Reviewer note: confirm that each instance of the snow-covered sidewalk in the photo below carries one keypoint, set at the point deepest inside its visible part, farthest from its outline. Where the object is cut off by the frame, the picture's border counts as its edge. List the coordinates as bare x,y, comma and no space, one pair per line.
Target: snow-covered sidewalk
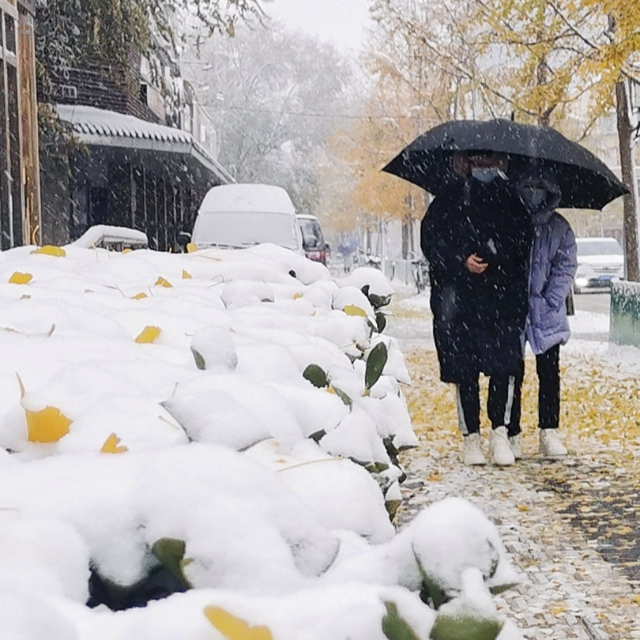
571,526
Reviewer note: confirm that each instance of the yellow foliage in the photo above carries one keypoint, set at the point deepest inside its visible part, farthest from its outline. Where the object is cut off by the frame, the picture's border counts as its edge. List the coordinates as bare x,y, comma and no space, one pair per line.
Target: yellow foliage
47,425
234,628
186,275
50,250
162,282
353,310
191,247
148,335
111,445
140,296
20,278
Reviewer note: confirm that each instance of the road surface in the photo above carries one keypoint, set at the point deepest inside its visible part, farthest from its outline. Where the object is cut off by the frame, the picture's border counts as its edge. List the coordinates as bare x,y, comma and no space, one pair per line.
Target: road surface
595,302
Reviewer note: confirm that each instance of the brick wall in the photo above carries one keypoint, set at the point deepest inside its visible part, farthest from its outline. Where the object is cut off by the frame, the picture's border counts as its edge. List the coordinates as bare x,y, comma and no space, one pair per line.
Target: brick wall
105,87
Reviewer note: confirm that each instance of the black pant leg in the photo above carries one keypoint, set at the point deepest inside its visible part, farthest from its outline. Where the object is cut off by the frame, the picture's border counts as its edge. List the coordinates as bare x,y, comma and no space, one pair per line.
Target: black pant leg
504,401
548,369
468,403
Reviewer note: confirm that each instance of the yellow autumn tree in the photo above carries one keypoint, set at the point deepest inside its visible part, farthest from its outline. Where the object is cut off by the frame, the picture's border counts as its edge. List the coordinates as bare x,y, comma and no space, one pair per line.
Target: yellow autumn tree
415,88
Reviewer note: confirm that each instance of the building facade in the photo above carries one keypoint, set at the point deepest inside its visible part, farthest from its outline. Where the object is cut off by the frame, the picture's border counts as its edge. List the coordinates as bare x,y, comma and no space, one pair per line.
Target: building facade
142,160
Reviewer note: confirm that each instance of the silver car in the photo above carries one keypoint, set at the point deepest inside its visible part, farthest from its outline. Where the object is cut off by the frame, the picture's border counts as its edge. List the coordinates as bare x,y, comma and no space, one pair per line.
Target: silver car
600,262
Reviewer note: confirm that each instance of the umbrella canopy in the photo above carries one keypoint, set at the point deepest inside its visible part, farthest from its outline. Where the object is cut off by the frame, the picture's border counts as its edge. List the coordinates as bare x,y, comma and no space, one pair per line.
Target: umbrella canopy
586,182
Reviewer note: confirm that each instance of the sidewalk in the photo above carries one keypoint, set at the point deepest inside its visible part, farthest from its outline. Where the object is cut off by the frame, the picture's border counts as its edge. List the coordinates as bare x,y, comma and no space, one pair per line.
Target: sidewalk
571,527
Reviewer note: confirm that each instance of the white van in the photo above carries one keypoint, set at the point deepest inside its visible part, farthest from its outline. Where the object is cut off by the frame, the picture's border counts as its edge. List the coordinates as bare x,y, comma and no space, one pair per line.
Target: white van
600,262
236,216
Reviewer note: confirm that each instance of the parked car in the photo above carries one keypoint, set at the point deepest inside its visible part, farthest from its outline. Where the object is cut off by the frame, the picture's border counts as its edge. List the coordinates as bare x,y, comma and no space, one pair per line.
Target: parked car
235,216
600,262
313,243
112,238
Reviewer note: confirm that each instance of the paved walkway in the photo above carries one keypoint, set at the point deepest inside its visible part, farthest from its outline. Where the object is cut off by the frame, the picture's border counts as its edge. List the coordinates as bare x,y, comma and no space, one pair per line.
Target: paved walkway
571,527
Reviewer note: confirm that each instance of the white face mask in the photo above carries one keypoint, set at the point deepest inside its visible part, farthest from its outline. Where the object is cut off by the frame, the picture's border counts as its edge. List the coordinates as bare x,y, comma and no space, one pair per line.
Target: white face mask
486,175
534,197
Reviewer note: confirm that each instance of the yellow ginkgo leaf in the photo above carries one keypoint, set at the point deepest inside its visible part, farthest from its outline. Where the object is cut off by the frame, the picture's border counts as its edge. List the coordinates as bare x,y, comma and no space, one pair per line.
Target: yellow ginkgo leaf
111,445
47,425
297,296
352,310
522,507
148,334
127,250
50,250
186,275
20,278
191,247
234,628
162,282
140,296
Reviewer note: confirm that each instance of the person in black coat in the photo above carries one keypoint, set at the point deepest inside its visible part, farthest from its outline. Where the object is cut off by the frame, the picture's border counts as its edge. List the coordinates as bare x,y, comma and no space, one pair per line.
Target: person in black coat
477,239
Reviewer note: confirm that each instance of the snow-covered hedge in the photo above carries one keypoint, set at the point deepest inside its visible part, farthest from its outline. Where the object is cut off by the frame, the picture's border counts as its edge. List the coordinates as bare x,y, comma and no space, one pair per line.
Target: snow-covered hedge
222,428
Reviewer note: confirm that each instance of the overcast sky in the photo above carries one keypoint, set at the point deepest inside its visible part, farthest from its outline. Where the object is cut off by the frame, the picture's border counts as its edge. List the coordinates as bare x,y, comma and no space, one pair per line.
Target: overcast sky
341,22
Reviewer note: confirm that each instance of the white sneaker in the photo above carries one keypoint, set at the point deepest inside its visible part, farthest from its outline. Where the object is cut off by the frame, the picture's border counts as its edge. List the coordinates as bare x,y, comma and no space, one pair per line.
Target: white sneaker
515,442
550,445
500,448
472,450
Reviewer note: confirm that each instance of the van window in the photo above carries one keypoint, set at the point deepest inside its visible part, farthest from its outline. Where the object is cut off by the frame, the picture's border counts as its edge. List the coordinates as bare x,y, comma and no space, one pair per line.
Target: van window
312,237
599,248
243,229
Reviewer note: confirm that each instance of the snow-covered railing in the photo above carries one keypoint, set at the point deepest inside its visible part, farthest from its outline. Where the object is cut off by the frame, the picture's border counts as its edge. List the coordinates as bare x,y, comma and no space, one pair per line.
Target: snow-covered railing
625,313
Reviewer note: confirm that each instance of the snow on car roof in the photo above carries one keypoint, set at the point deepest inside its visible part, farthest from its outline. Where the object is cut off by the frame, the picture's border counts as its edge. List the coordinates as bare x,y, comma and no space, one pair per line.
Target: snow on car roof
247,197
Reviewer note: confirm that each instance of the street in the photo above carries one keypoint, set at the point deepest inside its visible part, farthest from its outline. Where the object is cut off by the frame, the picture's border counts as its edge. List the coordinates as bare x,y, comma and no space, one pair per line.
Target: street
594,302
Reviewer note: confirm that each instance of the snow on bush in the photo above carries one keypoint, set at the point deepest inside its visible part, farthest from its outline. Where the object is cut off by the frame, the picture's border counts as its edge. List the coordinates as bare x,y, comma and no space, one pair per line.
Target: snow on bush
220,423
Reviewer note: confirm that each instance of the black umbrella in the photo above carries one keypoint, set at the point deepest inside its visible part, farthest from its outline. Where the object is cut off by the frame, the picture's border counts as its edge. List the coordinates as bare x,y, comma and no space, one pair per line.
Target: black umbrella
586,182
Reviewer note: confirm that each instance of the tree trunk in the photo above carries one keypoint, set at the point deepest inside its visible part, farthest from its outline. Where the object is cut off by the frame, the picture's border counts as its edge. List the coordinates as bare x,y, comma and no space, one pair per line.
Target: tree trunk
630,222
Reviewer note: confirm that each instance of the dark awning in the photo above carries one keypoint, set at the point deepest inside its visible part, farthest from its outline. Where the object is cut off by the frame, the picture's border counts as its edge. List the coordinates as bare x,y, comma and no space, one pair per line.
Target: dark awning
99,127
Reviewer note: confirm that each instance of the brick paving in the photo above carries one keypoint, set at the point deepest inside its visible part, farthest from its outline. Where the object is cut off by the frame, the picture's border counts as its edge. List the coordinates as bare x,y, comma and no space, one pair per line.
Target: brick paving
572,528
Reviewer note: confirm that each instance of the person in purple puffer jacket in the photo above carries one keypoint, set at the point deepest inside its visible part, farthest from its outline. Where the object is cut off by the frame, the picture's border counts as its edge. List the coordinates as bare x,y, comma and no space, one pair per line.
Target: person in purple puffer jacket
552,269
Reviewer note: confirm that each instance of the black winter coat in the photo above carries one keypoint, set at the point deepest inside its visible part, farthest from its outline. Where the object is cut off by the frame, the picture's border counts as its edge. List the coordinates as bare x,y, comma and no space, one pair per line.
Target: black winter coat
478,319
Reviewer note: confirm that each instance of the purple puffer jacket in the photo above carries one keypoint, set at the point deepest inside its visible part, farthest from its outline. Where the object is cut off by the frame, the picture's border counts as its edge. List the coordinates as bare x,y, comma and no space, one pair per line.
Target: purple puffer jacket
553,266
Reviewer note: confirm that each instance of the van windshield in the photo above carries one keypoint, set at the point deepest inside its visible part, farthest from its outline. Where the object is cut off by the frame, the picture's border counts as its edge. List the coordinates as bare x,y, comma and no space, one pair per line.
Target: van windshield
243,229
599,248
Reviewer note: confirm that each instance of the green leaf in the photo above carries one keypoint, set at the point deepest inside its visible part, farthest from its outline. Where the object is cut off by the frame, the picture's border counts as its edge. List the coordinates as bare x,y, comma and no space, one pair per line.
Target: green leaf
378,301
394,627
467,627
316,436
197,356
375,364
343,396
392,507
381,321
170,552
316,376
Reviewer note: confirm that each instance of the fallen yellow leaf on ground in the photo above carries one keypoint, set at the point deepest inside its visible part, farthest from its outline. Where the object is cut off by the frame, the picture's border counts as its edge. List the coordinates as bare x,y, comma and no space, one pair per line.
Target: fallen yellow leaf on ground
111,445
50,250
163,282
47,425
234,628
186,275
148,334
20,278
352,310
140,296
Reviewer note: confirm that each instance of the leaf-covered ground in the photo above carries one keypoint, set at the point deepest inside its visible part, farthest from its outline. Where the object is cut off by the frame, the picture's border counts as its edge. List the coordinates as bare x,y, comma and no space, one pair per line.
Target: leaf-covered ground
595,491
